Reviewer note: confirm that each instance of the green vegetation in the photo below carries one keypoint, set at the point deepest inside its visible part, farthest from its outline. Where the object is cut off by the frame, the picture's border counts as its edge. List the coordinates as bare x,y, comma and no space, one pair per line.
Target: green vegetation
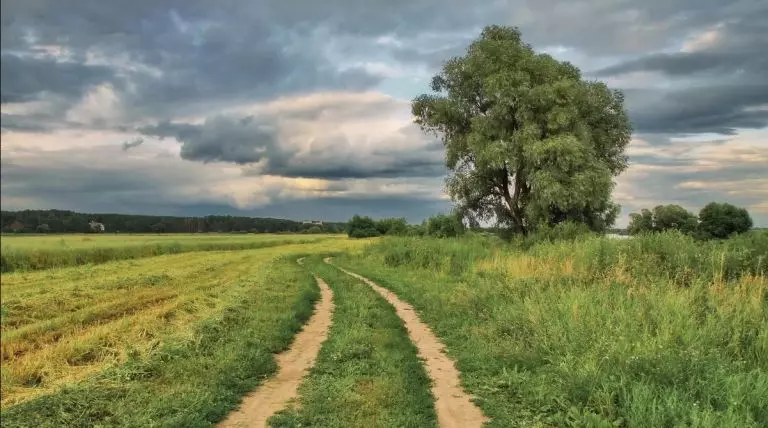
658,330
58,221
20,253
172,340
368,373
440,226
715,221
528,141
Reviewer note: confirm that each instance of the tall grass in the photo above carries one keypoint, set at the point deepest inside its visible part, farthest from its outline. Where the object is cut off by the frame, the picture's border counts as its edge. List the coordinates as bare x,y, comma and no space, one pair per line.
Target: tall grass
656,330
24,258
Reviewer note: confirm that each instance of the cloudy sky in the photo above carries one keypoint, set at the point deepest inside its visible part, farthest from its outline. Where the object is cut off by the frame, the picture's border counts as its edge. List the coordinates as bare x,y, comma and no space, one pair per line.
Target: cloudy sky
300,109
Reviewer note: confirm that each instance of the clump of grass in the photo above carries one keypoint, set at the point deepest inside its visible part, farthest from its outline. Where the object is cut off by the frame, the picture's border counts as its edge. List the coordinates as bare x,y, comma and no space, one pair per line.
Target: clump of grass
652,331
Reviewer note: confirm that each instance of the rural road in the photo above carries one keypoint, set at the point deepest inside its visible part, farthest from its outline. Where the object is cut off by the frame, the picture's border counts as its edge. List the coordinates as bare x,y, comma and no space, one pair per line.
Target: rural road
453,406
292,365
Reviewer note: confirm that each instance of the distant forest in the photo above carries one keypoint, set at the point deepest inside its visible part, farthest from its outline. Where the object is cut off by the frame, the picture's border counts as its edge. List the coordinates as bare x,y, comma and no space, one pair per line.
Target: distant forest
58,221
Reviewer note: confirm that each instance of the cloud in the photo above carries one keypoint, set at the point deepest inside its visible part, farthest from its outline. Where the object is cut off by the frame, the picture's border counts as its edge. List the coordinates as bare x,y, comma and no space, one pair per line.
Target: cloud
714,83
280,106
28,78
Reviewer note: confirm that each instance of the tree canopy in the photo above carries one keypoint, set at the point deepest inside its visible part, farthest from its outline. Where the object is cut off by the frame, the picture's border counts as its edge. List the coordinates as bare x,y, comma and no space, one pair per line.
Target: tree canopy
663,217
528,141
721,220
715,220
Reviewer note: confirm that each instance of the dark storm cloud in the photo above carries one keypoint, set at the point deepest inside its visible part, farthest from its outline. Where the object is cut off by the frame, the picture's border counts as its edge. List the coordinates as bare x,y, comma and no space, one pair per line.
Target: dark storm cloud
29,78
717,108
250,140
721,86
237,140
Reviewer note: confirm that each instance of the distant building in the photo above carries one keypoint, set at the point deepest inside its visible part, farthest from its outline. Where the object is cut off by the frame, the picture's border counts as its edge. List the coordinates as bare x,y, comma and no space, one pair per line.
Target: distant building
96,227
315,222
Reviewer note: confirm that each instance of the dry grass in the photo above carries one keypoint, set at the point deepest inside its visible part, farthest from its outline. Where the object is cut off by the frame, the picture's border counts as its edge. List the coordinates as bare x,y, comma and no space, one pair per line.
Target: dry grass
60,326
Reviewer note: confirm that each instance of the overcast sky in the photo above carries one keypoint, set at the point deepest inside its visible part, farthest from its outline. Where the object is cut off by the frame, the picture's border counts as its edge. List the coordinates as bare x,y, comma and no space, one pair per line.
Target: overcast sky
300,109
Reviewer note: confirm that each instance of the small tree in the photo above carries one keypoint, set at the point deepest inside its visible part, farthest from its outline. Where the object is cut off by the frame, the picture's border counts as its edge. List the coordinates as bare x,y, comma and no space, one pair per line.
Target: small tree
721,220
663,217
392,226
43,228
444,226
640,223
362,227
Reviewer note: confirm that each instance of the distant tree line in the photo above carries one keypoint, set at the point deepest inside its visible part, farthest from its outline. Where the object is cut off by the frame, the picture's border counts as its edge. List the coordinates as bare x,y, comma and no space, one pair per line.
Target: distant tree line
441,226
715,221
59,221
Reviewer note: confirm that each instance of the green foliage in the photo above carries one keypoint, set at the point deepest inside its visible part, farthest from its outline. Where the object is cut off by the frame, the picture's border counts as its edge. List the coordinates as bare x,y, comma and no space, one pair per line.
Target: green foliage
58,221
528,142
663,217
715,221
392,226
444,226
362,227
721,220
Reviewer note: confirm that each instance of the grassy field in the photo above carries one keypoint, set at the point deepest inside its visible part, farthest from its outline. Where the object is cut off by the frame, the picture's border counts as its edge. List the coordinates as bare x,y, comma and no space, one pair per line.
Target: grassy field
652,331
656,330
179,336
49,251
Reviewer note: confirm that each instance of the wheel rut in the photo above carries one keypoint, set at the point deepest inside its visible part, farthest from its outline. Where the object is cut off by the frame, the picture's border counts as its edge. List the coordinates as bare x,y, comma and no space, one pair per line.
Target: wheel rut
454,407
292,365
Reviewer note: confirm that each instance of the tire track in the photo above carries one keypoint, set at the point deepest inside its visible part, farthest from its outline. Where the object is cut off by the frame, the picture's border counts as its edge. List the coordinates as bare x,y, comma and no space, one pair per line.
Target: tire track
453,406
292,365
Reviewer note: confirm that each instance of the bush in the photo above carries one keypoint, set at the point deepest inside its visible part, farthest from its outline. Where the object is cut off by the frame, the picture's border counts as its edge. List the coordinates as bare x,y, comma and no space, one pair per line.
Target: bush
362,227
444,226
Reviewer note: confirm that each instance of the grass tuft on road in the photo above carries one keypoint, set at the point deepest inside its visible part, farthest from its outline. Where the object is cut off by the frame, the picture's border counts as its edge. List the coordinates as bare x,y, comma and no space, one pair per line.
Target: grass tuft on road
368,373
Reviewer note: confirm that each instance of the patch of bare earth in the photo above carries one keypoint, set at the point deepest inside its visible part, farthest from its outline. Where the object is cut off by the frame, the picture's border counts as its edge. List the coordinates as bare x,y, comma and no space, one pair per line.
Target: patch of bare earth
453,406
292,365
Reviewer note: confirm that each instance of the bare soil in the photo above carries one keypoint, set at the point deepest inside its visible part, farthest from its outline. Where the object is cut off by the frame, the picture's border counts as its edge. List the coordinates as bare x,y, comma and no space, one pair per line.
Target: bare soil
453,406
275,393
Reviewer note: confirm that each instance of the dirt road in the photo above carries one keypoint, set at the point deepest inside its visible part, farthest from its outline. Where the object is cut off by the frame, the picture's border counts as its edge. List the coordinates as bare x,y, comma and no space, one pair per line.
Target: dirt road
453,406
293,365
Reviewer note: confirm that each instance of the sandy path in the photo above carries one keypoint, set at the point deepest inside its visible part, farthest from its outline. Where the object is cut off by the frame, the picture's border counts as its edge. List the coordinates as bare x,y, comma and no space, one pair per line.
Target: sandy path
292,366
453,406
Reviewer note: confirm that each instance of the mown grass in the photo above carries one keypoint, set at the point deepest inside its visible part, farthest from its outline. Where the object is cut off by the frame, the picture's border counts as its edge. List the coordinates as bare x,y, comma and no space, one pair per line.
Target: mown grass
88,345
367,373
22,253
653,331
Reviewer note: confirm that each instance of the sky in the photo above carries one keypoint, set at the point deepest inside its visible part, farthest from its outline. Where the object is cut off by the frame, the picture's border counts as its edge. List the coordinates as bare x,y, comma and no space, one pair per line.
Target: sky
299,109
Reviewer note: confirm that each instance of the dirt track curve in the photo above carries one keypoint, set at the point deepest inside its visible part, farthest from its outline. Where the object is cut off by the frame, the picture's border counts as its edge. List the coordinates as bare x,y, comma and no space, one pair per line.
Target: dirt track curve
453,406
292,366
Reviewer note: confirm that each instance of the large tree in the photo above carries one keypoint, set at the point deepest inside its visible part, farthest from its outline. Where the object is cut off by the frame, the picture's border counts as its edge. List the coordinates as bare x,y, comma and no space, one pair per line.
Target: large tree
528,141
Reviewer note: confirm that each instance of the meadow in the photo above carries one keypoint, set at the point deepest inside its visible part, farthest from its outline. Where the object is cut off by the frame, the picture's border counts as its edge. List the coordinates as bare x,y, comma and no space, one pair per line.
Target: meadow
657,330
50,251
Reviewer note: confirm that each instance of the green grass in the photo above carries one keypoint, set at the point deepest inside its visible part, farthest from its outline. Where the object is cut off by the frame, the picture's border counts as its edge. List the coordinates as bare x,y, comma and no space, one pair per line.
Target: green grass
652,331
173,340
367,373
190,379
21,253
